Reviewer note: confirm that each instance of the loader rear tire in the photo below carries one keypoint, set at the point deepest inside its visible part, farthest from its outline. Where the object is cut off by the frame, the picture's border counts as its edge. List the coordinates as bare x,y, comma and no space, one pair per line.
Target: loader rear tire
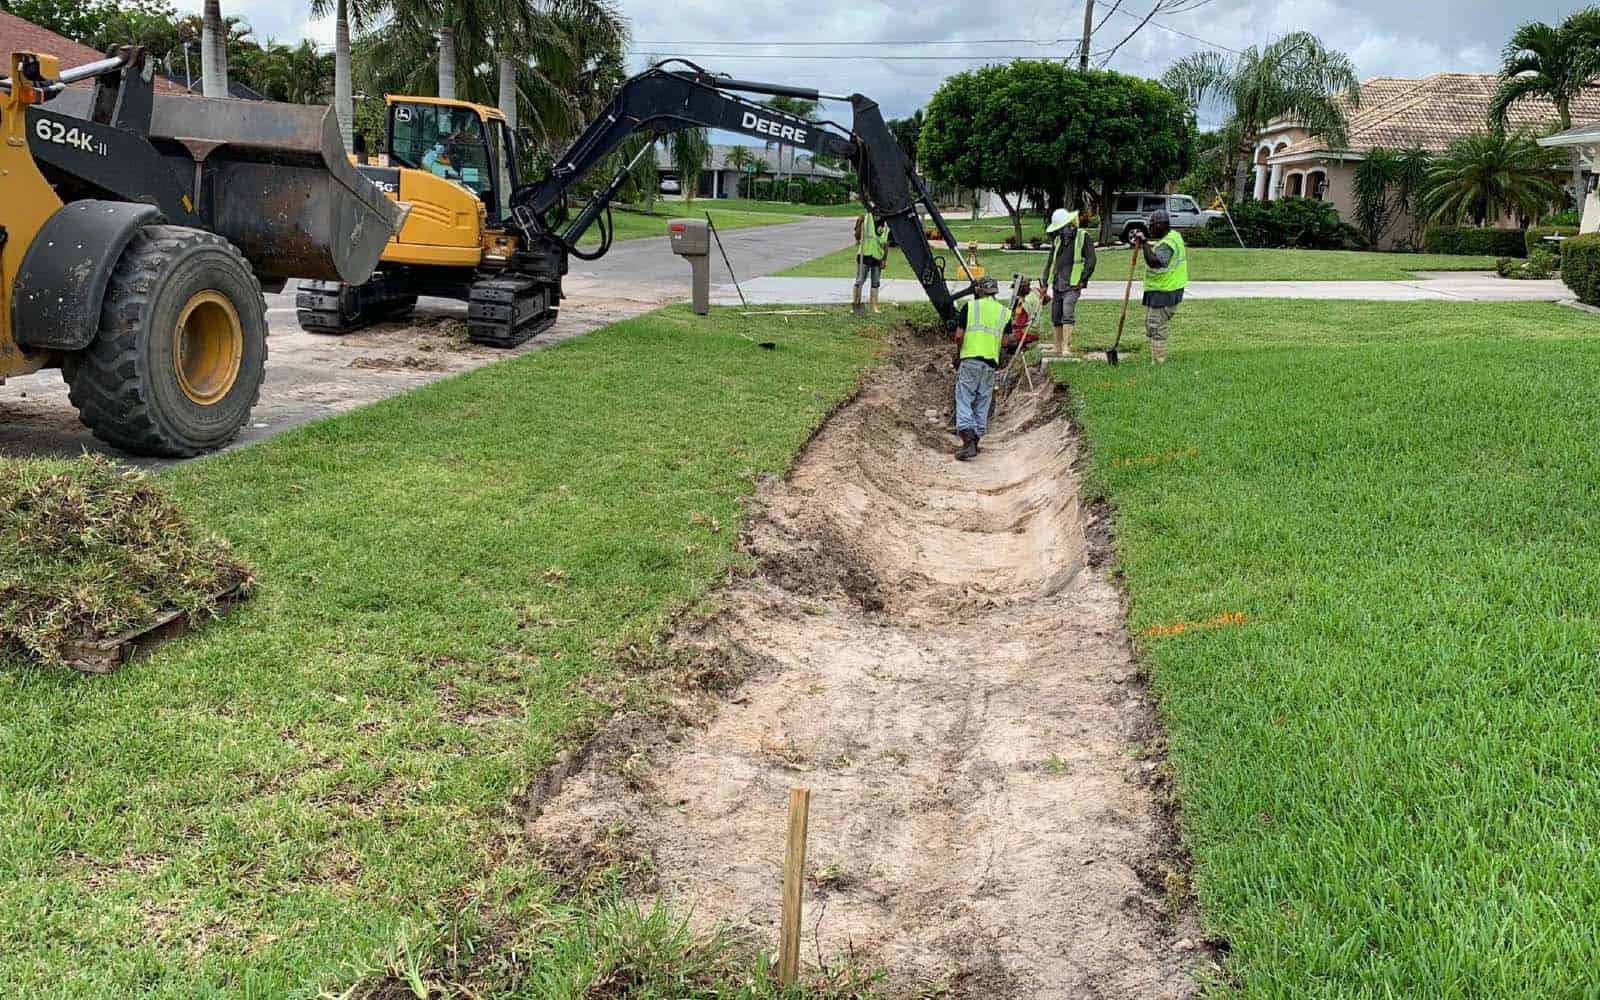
181,352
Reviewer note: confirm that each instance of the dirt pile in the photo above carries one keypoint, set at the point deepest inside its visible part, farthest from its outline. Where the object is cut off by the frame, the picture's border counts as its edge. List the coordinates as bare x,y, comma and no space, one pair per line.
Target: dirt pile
89,549
933,651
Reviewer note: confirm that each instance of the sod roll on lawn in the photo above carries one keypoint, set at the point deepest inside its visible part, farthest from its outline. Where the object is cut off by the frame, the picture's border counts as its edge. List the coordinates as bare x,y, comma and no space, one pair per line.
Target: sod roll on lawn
321,790
1360,545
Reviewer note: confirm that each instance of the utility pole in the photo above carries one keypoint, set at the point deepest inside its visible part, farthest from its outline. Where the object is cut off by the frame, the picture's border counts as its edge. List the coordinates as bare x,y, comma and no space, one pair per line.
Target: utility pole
1088,29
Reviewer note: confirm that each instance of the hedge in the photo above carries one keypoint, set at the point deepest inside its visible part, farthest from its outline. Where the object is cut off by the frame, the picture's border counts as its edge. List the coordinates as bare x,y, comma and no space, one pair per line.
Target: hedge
1580,267
1472,240
1536,234
1286,222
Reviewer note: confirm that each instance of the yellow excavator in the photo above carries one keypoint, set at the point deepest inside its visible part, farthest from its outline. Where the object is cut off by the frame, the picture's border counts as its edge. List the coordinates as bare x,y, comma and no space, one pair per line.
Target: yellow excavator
454,163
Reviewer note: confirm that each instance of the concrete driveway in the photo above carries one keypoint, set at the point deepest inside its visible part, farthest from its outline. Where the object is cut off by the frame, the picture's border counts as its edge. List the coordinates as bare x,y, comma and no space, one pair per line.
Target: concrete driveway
309,377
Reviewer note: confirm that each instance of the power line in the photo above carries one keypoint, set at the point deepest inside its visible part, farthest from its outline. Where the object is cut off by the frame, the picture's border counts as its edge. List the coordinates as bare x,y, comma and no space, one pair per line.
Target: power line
1179,31
931,41
769,55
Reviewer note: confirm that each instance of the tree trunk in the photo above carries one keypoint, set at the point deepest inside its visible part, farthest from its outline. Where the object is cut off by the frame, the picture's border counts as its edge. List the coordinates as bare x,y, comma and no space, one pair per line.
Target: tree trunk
447,61
1241,170
1105,212
343,91
213,51
508,91
1577,179
1015,213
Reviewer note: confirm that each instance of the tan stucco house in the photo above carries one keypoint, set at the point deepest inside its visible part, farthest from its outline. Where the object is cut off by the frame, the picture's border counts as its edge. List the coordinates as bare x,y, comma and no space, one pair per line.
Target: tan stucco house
1394,113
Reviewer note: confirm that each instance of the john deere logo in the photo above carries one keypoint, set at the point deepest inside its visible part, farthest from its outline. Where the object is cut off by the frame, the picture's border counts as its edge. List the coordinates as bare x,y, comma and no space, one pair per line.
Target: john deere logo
776,129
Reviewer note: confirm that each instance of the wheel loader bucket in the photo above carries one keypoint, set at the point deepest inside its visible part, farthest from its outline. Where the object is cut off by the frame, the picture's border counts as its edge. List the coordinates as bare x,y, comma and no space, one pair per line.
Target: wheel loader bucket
274,180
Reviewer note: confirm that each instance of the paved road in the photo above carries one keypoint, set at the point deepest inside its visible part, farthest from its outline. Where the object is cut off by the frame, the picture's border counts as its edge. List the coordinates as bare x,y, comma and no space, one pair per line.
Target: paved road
309,377
1434,286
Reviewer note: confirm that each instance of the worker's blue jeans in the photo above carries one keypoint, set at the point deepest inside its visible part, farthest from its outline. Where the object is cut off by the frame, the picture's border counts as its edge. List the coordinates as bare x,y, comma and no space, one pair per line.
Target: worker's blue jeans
974,393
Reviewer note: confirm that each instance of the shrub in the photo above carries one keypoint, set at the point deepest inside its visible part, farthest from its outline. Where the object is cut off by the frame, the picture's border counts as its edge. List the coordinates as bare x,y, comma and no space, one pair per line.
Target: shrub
1569,217
1473,240
1580,267
1287,222
1539,265
1535,239
818,192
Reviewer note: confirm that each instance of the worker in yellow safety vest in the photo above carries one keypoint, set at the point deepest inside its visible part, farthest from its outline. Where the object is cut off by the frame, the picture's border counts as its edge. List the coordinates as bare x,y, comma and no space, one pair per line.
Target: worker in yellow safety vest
1066,273
980,329
872,252
1166,275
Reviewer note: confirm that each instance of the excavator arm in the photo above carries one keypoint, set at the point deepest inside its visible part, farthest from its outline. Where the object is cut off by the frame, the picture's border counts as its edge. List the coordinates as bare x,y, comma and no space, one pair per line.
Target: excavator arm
663,100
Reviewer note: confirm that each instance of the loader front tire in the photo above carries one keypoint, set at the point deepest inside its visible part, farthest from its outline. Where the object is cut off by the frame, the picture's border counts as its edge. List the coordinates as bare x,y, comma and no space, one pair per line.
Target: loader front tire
181,351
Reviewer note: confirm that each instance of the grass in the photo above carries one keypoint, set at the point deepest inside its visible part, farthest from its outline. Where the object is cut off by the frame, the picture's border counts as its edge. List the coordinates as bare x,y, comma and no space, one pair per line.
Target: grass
319,791
1359,542
631,225
1205,264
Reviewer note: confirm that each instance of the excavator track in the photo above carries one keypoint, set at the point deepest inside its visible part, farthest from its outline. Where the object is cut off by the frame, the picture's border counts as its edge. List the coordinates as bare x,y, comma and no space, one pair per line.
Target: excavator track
335,308
508,310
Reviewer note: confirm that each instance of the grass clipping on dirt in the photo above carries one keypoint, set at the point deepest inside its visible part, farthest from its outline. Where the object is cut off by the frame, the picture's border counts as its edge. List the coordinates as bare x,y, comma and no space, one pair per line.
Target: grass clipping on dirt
90,549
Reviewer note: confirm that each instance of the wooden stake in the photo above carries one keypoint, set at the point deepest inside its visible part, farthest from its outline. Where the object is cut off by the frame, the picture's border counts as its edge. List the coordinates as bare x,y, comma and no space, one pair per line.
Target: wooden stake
794,884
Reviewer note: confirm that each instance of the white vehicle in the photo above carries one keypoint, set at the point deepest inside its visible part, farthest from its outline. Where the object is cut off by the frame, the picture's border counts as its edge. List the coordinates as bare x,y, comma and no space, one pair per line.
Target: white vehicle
1130,213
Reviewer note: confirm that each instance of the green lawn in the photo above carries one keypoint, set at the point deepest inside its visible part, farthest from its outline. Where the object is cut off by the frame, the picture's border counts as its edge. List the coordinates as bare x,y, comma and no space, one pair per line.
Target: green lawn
1388,772
637,225
1205,264
451,586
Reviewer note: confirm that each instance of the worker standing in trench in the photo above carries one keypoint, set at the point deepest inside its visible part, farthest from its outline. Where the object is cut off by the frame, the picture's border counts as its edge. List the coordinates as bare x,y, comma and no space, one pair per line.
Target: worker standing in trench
1066,274
872,249
1166,262
980,329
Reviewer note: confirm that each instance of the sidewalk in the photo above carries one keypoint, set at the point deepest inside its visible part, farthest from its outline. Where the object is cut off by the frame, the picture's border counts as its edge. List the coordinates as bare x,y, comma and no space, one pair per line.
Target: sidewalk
1428,286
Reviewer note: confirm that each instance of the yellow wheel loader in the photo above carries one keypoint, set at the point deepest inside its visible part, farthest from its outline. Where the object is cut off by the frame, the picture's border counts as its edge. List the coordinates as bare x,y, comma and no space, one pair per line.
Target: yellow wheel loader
454,165
137,232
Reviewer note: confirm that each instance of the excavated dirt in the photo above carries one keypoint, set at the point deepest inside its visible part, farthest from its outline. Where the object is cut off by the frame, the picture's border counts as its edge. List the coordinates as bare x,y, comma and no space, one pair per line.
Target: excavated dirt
934,648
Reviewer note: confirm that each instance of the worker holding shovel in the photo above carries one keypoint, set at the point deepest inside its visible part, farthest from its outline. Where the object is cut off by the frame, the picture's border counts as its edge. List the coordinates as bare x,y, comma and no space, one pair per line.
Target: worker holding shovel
1166,263
1066,274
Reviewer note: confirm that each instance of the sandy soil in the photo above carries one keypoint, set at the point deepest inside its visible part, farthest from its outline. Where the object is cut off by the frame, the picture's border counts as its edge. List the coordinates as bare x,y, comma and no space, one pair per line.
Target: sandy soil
935,650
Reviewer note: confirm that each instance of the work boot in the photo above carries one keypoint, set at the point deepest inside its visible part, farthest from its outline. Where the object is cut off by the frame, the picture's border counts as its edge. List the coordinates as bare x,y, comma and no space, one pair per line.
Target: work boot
1158,352
855,302
975,439
1060,333
875,301
969,446
1071,328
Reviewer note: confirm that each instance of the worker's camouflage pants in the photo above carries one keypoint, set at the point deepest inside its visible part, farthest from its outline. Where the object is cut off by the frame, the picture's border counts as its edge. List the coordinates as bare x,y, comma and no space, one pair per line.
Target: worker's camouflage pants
974,393
1156,321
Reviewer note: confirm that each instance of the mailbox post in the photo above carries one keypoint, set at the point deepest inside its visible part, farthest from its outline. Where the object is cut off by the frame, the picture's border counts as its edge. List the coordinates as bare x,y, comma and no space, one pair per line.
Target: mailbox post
691,240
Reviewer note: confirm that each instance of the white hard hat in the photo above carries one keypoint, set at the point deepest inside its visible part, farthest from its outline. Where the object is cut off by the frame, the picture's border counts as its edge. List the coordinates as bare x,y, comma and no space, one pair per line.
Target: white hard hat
1061,219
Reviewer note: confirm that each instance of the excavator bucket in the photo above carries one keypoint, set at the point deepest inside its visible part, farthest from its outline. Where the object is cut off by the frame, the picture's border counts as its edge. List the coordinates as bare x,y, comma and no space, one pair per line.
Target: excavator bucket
274,180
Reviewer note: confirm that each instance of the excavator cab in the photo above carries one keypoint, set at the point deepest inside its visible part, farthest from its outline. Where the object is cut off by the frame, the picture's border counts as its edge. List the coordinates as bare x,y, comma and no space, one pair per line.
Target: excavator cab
466,143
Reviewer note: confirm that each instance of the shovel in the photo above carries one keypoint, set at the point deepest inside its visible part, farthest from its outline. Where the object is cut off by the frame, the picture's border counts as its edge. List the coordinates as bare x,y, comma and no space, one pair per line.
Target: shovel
1133,265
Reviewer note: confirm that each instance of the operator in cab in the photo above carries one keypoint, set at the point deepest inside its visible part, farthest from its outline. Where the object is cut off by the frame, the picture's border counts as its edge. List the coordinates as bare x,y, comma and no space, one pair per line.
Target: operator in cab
980,330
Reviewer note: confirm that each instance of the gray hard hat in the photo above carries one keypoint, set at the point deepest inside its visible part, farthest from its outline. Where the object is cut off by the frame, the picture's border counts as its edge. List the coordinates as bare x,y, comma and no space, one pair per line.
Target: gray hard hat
1160,221
986,286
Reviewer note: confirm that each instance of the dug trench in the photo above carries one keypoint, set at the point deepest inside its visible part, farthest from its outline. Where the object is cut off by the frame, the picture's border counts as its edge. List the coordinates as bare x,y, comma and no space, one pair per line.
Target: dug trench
937,650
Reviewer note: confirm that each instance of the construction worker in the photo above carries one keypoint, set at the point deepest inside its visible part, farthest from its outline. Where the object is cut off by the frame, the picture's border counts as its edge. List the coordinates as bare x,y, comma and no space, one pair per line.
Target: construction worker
1166,275
1066,273
872,249
980,329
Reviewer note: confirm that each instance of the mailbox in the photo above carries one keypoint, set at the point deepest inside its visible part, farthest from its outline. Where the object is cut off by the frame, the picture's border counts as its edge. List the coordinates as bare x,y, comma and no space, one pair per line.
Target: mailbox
691,240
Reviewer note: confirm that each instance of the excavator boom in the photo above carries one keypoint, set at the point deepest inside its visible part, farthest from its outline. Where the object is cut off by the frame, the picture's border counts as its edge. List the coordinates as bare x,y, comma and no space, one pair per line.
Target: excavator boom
662,100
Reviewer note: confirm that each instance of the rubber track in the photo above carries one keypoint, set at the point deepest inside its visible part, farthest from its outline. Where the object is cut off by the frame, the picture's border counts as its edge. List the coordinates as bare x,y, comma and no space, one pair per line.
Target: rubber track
373,305
103,381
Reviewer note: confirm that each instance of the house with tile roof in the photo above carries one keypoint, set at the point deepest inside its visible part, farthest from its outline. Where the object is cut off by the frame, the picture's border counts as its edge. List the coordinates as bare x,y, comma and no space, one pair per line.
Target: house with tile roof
1393,113
17,35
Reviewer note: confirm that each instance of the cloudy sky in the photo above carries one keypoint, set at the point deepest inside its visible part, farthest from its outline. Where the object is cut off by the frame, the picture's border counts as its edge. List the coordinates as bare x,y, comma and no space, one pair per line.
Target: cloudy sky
916,41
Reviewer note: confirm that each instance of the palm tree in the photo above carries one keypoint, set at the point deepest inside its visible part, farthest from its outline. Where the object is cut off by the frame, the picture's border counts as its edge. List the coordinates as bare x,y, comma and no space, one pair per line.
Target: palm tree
1553,63
1485,174
213,51
543,48
345,13
740,159
1387,184
691,151
1293,77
